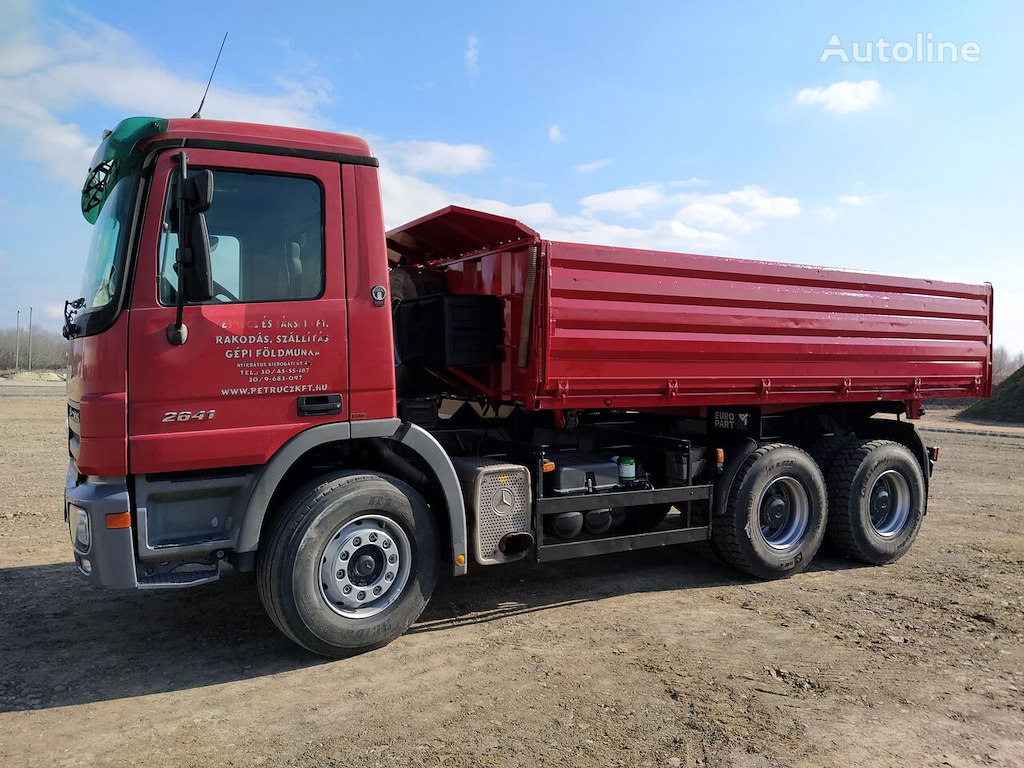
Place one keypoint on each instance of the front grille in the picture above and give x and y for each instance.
(74, 431)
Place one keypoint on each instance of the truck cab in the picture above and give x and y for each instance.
(296, 245)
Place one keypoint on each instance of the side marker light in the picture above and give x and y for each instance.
(117, 520)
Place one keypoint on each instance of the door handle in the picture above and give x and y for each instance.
(319, 405)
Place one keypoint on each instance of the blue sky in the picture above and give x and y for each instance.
(702, 127)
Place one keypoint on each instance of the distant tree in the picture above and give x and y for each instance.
(1004, 363)
(49, 350)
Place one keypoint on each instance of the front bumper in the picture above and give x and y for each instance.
(109, 558)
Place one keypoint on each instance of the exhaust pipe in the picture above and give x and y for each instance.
(515, 543)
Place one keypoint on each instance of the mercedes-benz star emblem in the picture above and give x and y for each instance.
(503, 501)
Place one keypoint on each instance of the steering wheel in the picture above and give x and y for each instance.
(220, 290)
(168, 293)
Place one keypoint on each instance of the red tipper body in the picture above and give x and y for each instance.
(635, 329)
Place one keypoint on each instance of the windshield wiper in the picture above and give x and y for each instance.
(70, 313)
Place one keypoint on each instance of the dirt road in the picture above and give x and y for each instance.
(657, 658)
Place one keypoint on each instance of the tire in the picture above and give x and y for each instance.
(825, 450)
(876, 501)
(378, 526)
(774, 519)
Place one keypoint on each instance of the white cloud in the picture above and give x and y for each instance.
(717, 217)
(842, 97)
(630, 201)
(861, 200)
(86, 62)
(827, 213)
(673, 219)
(759, 203)
(740, 210)
(691, 182)
(22, 56)
(407, 197)
(596, 165)
(664, 234)
(555, 134)
(471, 55)
(437, 157)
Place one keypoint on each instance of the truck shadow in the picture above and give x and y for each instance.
(516, 589)
(63, 642)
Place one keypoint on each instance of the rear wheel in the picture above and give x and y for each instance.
(774, 519)
(825, 450)
(876, 501)
(349, 563)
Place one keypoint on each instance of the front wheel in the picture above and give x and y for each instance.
(774, 519)
(349, 563)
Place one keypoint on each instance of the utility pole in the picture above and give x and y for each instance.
(30, 338)
(17, 344)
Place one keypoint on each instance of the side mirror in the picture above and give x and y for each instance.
(198, 192)
(198, 275)
(192, 263)
(197, 195)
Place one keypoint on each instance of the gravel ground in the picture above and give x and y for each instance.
(654, 658)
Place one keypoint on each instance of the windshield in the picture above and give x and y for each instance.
(105, 268)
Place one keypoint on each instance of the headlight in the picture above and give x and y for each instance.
(78, 525)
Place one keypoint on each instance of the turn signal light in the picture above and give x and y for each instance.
(720, 456)
(548, 466)
(116, 520)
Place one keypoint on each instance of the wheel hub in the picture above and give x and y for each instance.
(879, 503)
(365, 566)
(784, 513)
(776, 511)
(889, 504)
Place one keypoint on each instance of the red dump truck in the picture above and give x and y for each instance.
(261, 377)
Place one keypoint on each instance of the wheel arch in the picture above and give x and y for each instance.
(735, 454)
(296, 455)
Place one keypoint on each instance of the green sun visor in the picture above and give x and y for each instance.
(116, 158)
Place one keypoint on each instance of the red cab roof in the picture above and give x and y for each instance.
(270, 135)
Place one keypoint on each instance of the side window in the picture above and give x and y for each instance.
(266, 239)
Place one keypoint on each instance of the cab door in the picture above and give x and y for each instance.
(267, 357)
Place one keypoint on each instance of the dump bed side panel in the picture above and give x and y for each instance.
(632, 328)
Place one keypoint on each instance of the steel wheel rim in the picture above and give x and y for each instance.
(365, 566)
(784, 513)
(889, 504)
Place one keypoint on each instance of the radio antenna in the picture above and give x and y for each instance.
(197, 115)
